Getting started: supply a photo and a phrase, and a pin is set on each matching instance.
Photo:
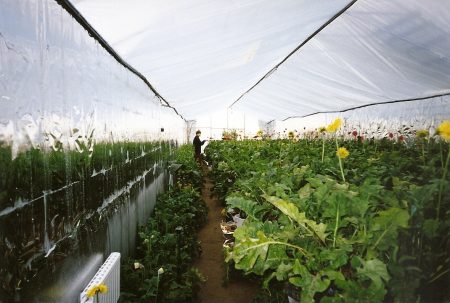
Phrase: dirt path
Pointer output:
(211, 262)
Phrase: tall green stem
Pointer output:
(340, 161)
(323, 148)
(441, 186)
(336, 226)
(423, 151)
(342, 169)
(157, 287)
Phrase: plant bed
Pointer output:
(167, 245)
(342, 219)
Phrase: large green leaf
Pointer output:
(305, 192)
(283, 271)
(310, 284)
(335, 257)
(246, 252)
(375, 270)
(259, 254)
(289, 209)
(252, 208)
(315, 182)
(251, 229)
(385, 227)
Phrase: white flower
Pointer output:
(138, 265)
(160, 271)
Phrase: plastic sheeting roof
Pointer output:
(279, 59)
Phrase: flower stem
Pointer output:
(340, 161)
(441, 186)
(157, 286)
(342, 169)
(323, 148)
(423, 152)
(336, 226)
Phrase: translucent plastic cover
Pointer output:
(377, 51)
(202, 54)
(58, 84)
(377, 121)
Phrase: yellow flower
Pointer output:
(91, 291)
(291, 135)
(423, 133)
(103, 288)
(342, 153)
(333, 127)
(444, 130)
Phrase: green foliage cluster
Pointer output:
(185, 169)
(35, 171)
(377, 237)
(53, 196)
(169, 243)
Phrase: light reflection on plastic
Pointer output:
(56, 78)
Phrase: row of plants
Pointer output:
(161, 269)
(36, 170)
(51, 199)
(341, 220)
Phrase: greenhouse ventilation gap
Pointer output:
(96, 96)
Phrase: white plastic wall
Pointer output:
(376, 121)
(58, 86)
(56, 79)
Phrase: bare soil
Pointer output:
(211, 263)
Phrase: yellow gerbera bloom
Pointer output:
(333, 127)
(91, 291)
(342, 152)
(444, 130)
(291, 135)
(423, 133)
(103, 288)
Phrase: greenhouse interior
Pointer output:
(224, 151)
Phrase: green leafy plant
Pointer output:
(373, 237)
(160, 271)
(72, 185)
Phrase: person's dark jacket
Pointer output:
(198, 145)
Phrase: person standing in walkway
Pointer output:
(198, 146)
